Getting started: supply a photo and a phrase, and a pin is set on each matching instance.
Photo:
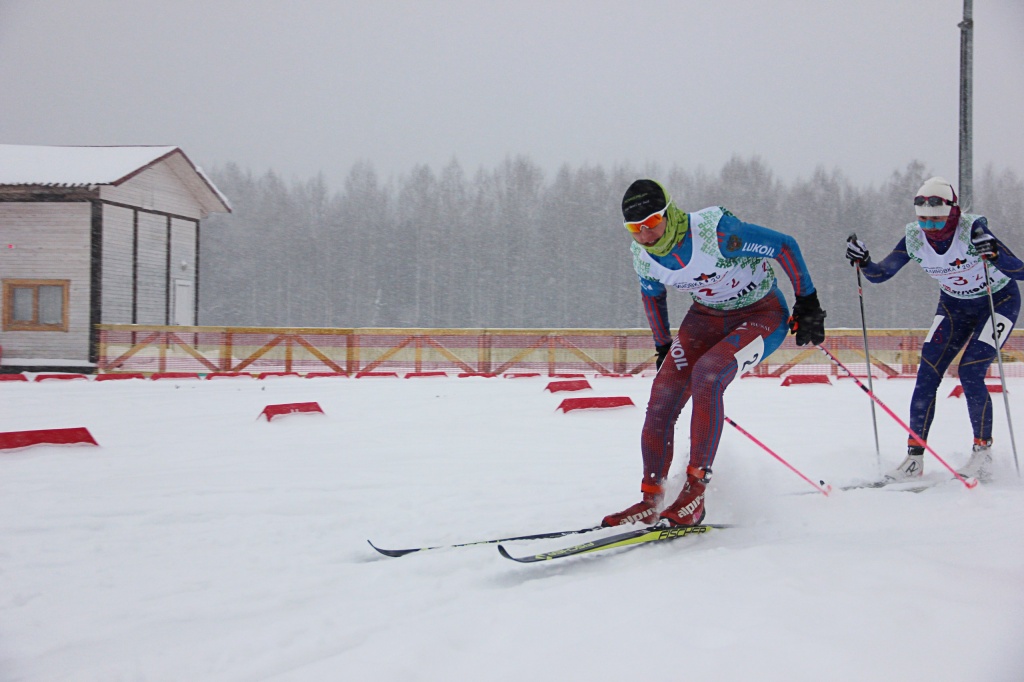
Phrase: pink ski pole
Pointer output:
(920, 441)
(824, 491)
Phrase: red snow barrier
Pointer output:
(318, 375)
(266, 375)
(417, 375)
(117, 377)
(593, 403)
(486, 375)
(227, 375)
(271, 411)
(44, 377)
(806, 379)
(23, 439)
(577, 385)
(13, 377)
(567, 376)
(365, 375)
(520, 375)
(959, 390)
(156, 376)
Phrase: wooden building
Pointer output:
(92, 235)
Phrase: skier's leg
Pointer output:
(749, 342)
(979, 355)
(949, 331)
(669, 394)
(752, 336)
(947, 336)
(977, 358)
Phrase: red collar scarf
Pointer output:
(937, 237)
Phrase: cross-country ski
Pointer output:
(658, 533)
(537, 536)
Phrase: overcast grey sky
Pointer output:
(303, 86)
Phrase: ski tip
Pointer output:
(382, 551)
(391, 552)
(522, 560)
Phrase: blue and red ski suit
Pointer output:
(721, 336)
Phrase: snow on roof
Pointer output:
(208, 181)
(74, 166)
(87, 166)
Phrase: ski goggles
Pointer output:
(931, 201)
(650, 222)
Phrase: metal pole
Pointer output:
(867, 359)
(996, 340)
(966, 95)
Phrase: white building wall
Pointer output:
(152, 277)
(51, 241)
(117, 265)
(157, 188)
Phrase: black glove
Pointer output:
(985, 244)
(662, 354)
(856, 251)
(807, 320)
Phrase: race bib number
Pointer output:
(748, 356)
(1003, 328)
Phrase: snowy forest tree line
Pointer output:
(509, 247)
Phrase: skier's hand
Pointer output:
(857, 252)
(808, 320)
(662, 354)
(985, 244)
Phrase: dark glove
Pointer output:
(985, 244)
(856, 251)
(662, 354)
(807, 320)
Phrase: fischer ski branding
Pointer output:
(537, 536)
(656, 533)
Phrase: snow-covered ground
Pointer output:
(200, 543)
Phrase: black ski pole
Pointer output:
(867, 358)
(996, 340)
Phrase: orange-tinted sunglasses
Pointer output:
(650, 222)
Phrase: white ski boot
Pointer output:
(911, 468)
(979, 466)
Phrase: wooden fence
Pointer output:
(153, 349)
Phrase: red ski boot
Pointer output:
(688, 509)
(644, 511)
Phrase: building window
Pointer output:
(36, 305)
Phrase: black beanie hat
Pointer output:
(643, 198)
